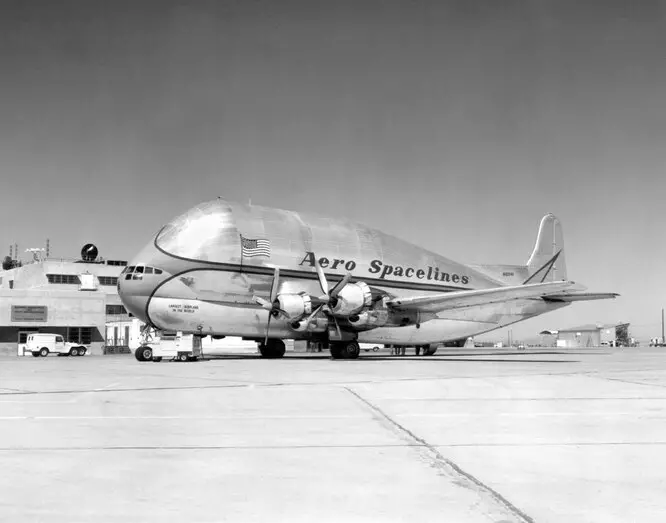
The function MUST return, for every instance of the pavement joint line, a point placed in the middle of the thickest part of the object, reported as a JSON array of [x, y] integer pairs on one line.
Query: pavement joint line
[[442, 461], [630, 381], [209, 447], [428, 446], [20, 392]]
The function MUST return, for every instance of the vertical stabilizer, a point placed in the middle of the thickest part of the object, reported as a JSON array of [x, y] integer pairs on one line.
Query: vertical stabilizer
[[547, 260]]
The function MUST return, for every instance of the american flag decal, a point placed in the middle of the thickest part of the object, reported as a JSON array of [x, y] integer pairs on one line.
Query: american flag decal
[[256, 247]]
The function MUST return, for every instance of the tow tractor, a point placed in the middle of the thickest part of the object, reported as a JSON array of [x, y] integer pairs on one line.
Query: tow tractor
[[176, 346]]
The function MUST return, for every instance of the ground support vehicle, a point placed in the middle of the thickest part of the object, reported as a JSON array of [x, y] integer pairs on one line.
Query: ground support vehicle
[[174, 346]]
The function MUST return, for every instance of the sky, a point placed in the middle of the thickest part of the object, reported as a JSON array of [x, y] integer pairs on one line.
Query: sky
[[452, 124]]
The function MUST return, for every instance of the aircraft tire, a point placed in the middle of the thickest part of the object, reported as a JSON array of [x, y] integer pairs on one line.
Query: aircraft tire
[[350, 350], [143, 353], [429, 350], [336, 351], [274, 350]]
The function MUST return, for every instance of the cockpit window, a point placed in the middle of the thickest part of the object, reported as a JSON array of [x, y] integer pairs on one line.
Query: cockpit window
[[136, 272]]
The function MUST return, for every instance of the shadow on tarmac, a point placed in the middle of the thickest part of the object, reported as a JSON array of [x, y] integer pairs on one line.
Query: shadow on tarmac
[[480, 358]]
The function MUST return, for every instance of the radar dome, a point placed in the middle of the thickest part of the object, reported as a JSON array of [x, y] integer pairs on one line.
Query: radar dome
[[89, 252]]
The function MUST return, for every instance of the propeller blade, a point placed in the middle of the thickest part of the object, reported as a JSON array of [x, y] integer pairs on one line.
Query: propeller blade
[[338, 286], [276, 284], [282, 313], [313, 314], [322, 278], [264, 303], [268, 324]]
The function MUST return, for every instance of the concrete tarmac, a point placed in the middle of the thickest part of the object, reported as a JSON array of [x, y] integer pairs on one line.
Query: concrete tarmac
[[464, 436]]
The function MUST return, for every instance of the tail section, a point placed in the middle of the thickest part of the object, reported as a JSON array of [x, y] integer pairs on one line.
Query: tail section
[[547, 261]]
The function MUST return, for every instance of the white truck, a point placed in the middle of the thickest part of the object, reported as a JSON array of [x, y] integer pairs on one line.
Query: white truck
[[173, 345], [42, 344]]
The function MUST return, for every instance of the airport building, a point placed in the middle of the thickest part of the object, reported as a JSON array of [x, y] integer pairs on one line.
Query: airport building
[[72, 297], [593, 335]]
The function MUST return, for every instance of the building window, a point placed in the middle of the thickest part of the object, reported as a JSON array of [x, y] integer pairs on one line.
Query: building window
[[108, 280], [82, 335], [115, 309], [69, 279], [119, 263]]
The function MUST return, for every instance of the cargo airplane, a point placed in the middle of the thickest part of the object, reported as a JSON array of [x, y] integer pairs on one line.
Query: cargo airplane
[[230, 269]]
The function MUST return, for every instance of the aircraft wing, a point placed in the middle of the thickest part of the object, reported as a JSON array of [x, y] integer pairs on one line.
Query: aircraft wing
[[462, 299], [581, 296]]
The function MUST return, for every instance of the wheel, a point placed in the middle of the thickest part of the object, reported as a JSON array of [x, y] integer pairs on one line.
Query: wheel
[[350, 350], [82, 351], [73, 351], [44, 352], [274, 349], [429, 350], [336, 351], [182, 357], [143, 353], [35, 354], [157, 359]]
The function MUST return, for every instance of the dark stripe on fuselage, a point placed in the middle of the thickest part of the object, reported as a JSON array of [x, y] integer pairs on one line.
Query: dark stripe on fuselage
[[308, 275]]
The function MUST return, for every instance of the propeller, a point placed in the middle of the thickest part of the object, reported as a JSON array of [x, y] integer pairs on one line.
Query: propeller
[[272, 306], [328, 298]]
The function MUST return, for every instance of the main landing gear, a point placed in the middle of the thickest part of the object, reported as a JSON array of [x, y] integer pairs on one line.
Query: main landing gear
[[273, 349], [340, 350], [344, 350]]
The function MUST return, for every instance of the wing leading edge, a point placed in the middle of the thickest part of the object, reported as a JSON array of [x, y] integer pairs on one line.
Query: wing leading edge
[[555, 291], [581, 296]]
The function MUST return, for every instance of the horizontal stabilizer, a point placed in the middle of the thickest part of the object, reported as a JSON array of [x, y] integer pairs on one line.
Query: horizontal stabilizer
[[462, 299], [581, 296]]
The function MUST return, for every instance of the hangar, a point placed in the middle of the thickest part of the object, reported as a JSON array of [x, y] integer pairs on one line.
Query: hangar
[[591, 335], [72, 297]]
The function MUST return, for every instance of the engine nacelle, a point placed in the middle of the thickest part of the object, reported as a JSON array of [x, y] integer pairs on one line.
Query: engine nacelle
[[368, 319], [295, 305], [315, 325], [353, 298]]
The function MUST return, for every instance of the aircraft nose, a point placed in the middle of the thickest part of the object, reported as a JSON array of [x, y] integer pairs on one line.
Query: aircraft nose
[[135, 287], [136, 305], [133, 299]]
